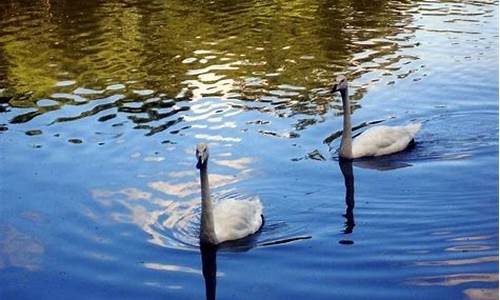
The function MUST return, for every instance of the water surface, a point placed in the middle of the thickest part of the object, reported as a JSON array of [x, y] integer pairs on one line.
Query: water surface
[[102, 103]]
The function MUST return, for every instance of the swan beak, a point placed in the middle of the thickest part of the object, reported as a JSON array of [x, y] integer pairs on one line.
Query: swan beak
[[199, 163], [335, 88]]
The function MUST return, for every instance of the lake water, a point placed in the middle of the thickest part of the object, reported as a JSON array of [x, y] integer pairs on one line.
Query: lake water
[[102, 103]]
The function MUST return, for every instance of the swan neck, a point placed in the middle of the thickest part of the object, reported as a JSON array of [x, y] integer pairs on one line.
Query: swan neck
[[207, 231], [346, 142]]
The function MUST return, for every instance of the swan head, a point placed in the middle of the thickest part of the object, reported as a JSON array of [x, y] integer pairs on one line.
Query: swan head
[[340, 84], [201, 154]]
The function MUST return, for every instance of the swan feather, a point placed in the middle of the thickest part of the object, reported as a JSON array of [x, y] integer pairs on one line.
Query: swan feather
[[383, 140], [236, 219]]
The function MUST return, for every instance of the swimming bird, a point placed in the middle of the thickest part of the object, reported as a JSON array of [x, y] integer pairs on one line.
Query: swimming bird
[[376, 141], [228, 219]]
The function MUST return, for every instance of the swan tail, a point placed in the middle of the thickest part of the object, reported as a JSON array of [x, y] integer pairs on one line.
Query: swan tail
[[413, 128]]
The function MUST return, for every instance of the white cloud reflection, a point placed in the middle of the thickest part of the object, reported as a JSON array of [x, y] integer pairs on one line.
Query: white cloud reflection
[[171, 217]]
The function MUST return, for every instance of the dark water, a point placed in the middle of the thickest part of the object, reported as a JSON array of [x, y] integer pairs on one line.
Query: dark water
[[103, 102]]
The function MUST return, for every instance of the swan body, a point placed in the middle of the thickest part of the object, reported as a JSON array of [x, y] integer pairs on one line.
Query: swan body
[[376, 141], [384, 140], [228, 219], [236, 219]]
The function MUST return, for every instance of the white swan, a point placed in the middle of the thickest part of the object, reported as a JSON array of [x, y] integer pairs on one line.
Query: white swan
[[229, 219], [377, 140]]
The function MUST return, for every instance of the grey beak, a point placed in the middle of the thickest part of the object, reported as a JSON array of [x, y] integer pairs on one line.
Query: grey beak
[[201, 161]]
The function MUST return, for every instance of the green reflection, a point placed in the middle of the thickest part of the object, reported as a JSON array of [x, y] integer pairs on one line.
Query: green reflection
[[276, 51]]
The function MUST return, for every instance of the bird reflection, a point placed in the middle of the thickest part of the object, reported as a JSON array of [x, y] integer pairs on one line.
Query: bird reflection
[[209, 256], [385, 163], [346, 168], [381, 164], [209, 267]]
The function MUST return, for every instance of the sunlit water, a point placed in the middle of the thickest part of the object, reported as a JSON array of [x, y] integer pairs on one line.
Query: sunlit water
[[103, 102]]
